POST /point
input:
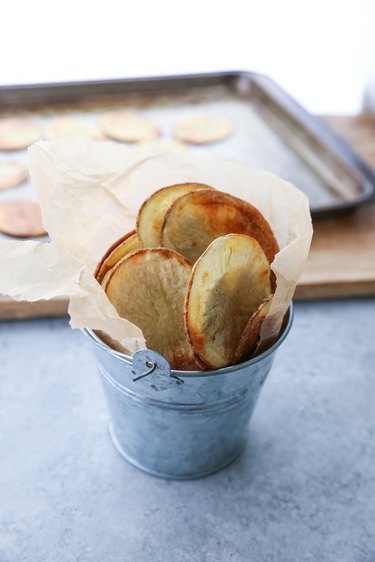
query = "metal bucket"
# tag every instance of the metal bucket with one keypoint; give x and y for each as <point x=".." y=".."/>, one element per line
<point x="179" y="424"/>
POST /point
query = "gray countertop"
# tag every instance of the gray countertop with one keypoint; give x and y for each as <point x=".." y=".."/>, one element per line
<point x="302" y="490"/>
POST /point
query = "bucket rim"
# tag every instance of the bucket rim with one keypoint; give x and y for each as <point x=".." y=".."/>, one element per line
<point x="287" y="324"/>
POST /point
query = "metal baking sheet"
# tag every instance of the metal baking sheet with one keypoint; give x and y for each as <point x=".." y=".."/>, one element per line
<point x="270" y="130"/>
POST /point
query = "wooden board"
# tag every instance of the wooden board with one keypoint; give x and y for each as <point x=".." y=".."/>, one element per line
<point x="11" y="309"/>
<point x="342" y="257"/>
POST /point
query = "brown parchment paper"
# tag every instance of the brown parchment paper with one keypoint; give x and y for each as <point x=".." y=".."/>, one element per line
<point x="90" y="193"/>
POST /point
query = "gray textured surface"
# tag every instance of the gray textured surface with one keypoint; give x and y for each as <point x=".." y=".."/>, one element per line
<point x="303" y="490"/>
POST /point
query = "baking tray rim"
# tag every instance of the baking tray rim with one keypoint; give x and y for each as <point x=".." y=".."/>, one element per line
<point x="311" y="124"/>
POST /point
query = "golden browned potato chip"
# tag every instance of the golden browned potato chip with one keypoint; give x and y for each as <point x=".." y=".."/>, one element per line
<point x="106" y="277"/>
<point x="17" y="133"/>
<point x="67" y="127"/>
<point x="148" y="288"/>
<point x="12" y="173"/>
<point x="21" y="218"/>
<point x="227" y="285"/>
<point x="127" y="126"/>
<point x="116" y="252"/>
<point x="194" y="220"/>
<point x="202" y="129"/>
<point x="250" y="337"/>
<point x="153" y="211"/>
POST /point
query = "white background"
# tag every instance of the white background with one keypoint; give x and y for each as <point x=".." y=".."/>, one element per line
<point x="322" y="51"/>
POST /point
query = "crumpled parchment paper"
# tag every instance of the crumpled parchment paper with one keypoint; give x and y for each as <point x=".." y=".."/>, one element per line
<point x="90" y="193"/>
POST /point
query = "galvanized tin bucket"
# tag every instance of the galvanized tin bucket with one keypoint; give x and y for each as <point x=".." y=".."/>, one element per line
<point x="179" y="424"/>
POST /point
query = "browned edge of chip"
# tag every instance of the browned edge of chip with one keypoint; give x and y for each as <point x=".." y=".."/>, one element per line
<point x="183" y="364"/>
<point x="195" y="339"/>
<point x="98" y="274"/>
<point x="250" y="336"/>
<point x="124" y="248"/>
<point x="202" y="186"/>
<point x="166" y="251"/>
<point x="270" y="249"/>
<point x="203" y="366"/>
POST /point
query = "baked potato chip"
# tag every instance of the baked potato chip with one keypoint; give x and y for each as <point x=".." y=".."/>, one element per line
<point x="194" y="220"/>
<point x="148" y="288"/>
<point x="21" y="218"/>
<point x="68" y="127"/>
<point x="116" y="252"/>
<point x="202" y="129"/>
<point x="227" y="285"/>
<point x="152" y="213"/>
<point x="106" y="278"/>
<point x="17" y="133"/>
<point x="12" y="174"/>
<point x="250" y="337"/>
<point x="128" y="126"/>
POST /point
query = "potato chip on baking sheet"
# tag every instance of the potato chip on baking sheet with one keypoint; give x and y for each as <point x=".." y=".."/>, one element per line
<point x="68" y="127"/>
<point x="17" y="133"/>
<point x="21" y="218"/>
<point x="127" y="126"/>
<point x="12" y="174"/>
<point x="202" y="129"/>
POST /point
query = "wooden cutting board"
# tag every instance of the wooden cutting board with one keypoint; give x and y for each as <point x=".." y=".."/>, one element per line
<point x="342" y="257"/>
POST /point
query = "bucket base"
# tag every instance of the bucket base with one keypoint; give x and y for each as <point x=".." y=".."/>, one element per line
<point x="134" y="462"/>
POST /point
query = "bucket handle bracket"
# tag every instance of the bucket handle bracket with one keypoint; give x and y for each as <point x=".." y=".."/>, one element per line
<point x="147" y="362"/>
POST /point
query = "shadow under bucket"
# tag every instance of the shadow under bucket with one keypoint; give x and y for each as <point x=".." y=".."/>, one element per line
<point x="180" y="424"/>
